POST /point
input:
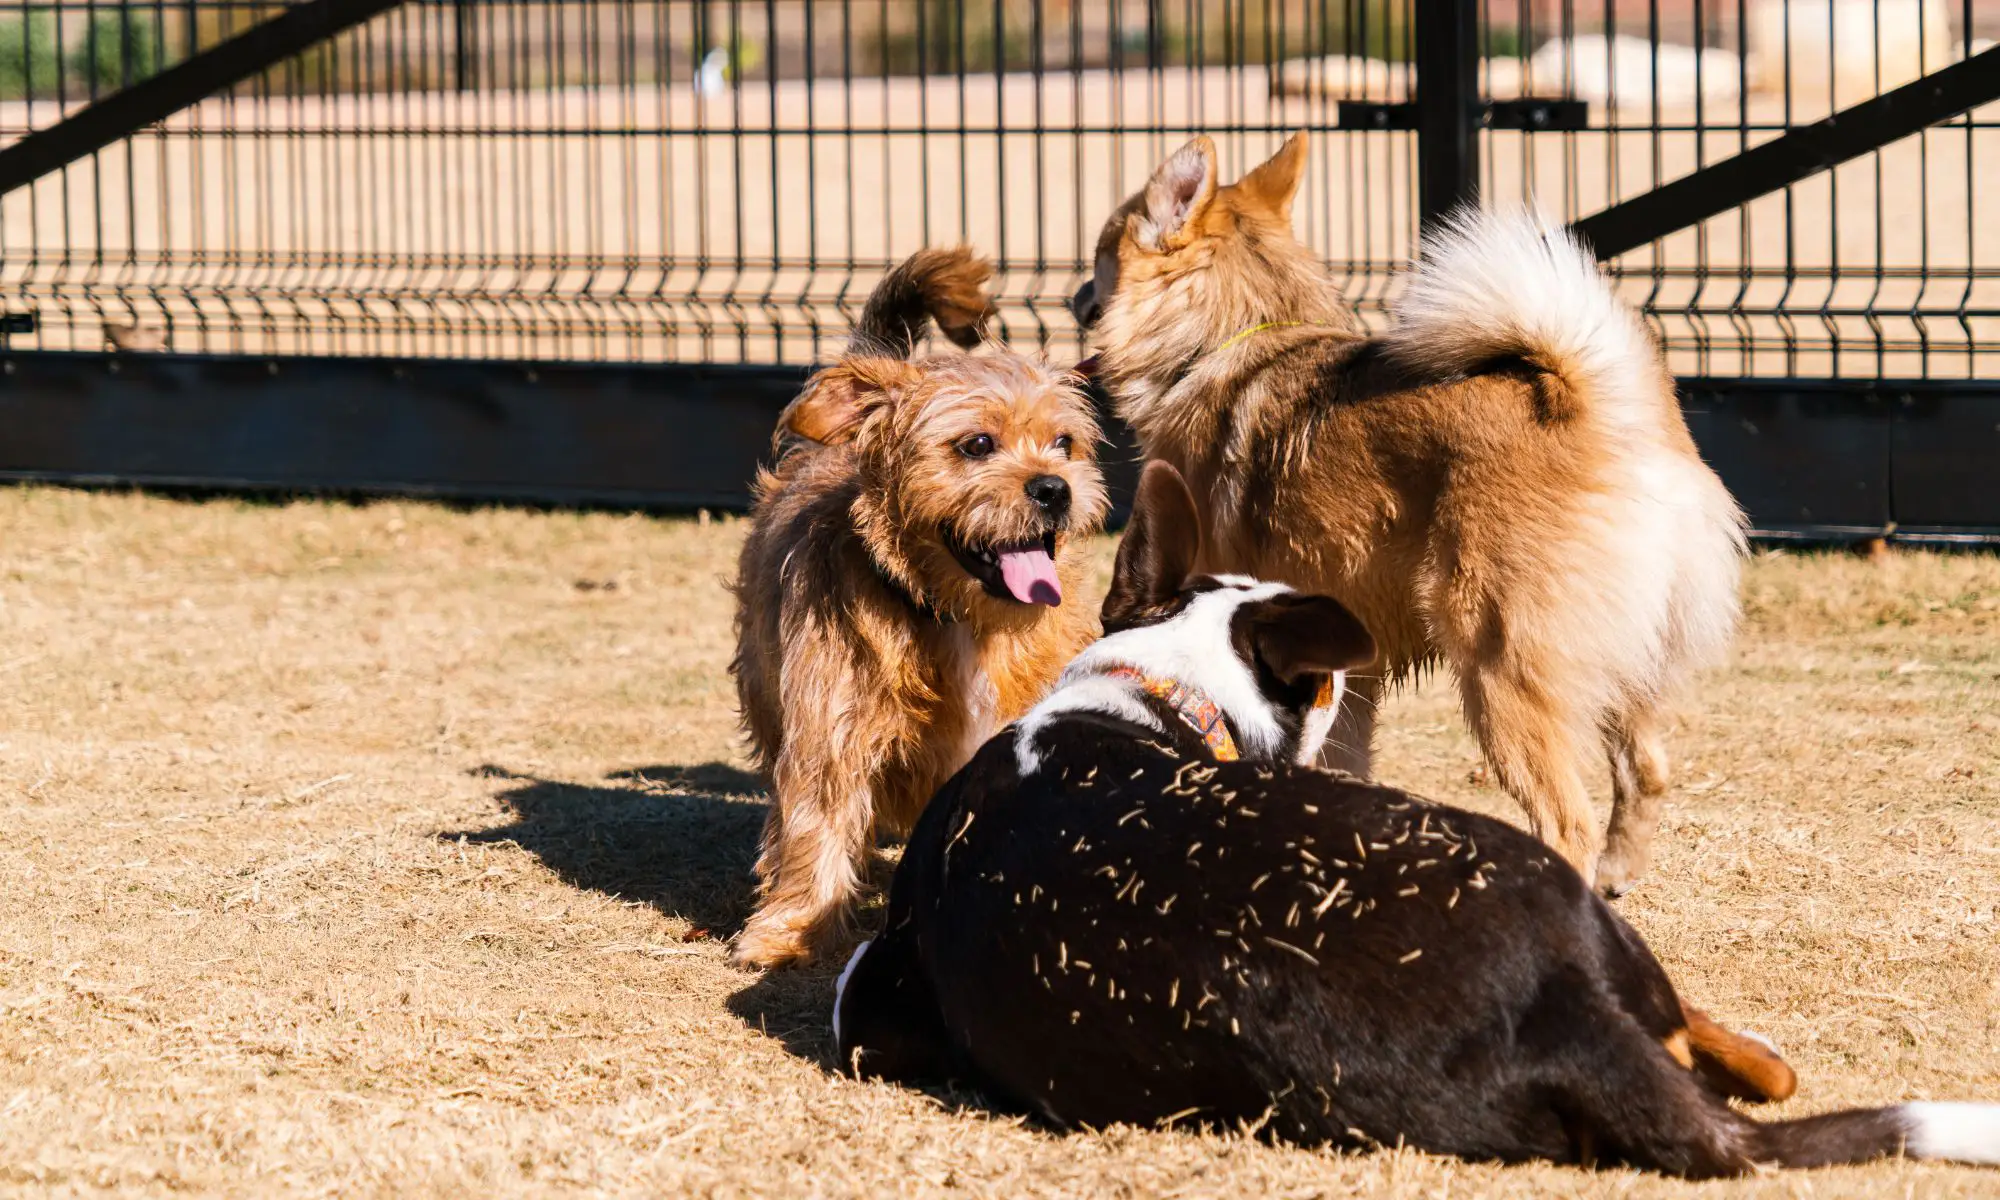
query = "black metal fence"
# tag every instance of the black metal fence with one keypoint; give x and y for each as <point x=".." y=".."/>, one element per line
<point x="721" y="181"/>
<point x="617" y="180"/>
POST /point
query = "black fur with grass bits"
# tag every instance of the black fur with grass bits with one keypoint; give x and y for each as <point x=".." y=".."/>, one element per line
<point x="1098" y="921"/>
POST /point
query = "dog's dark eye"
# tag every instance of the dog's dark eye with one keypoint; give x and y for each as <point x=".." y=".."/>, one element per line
<point x="979" y="445"/>
<point x="1063" y="444"/>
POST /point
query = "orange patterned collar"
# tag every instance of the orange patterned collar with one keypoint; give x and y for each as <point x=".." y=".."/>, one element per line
<point x="1196" y="710"/>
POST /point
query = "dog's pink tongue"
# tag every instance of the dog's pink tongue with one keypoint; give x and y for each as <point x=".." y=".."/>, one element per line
<point x="1031" y="576"/>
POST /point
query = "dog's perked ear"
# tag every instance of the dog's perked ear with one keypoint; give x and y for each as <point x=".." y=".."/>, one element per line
<point x="1177" y="194"/>
<point x="1297" y="638"/>
<point x="1156" y="556"/>
<point x="1276" y="180"/>
<point x="836" y="401"/>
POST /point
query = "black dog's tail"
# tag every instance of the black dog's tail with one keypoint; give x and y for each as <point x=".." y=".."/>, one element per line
<point x="1649" y="1111"/>
<point x="1625" y="1098"/>
<point x="1966" y="1133"/>
<point x="945" y="284"/>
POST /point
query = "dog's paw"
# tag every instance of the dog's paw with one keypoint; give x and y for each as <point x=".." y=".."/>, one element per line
<point x="1618" y="871"/>
<point x="758" y="949"/>
<point x="1613" y="887"/>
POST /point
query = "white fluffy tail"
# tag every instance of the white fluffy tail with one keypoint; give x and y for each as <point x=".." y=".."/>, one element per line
<point x="1964" y="1133"/>
<point x="1499" y="285"/>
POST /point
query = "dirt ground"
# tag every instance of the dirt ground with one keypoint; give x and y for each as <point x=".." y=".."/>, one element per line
<point x="388" y="849"/>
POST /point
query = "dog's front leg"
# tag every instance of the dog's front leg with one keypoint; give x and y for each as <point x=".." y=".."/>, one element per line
<point x="821" y="825"/>
<point x="814" y="845"/>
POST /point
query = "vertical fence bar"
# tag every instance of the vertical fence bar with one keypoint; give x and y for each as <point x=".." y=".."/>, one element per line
<point x="1447" y="107"/>
<point x="465" y="45"/>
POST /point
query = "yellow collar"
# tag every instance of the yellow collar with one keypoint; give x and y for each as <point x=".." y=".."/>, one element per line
<point x="1258" y="329"/>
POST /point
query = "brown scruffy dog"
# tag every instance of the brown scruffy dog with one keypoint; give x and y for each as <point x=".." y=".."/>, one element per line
<point x="1503" y="481"/>
<point x="900" y="595"/>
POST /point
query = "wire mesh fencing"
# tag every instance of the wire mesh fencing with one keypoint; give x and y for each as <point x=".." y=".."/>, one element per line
<point x="1880" y="267"/>
<point x="723" y="180"/>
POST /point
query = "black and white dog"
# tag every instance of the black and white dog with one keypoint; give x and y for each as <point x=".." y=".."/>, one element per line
<point x="1134" y="906"/>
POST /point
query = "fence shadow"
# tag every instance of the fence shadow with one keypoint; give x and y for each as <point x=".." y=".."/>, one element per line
<point x="679" y="838"/>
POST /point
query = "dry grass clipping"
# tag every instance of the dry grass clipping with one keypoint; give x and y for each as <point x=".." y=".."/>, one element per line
<point x="385" y="850"/>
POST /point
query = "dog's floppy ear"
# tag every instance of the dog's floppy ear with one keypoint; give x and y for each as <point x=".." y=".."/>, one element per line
<point x="1276" y="180"/>
<point x="1177" y="194"/>
<point x="1158" y="552"/>
<point x="1293" y="636"/>
<point x="838" y="399"/>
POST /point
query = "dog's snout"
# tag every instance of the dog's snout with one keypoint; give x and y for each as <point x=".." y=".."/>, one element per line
<point x="1051" y="494"/>
<point x="1083" y="305"/>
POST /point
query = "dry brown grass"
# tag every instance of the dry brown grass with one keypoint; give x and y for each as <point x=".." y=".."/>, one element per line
<point x="359" y="850"/>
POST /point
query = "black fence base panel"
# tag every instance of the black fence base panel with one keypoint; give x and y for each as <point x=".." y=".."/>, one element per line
<point x="667" y="437"/>
<point x="1817" y="460"/>
<point x="1832" y="460"/>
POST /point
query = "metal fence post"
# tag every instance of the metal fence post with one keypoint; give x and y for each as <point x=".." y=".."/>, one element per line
<point x="1448" y="108"/>
<point x="465" y="52"/>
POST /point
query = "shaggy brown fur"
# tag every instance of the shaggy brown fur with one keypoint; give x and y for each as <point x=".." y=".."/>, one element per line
<point x="1502" y="482"/>
<point x="877" y="645"/>
<point x="941" y="284"/>
<point x="945" y="284"/>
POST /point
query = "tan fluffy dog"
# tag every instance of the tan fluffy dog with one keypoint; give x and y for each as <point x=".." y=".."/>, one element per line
<point x="901" y="593"/>
<point x="1503" y="481"/>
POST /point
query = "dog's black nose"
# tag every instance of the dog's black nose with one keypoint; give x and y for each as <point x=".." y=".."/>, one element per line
<point x="1083" y="305"/>
<point x="1051" y="494"/>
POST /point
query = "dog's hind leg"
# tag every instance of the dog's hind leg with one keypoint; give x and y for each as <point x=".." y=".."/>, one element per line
<point x="1622" y="1095"/>
<point x="886" y="1023"/>
<point x="1529" y="740"/>
<point x="1639" y="777"/>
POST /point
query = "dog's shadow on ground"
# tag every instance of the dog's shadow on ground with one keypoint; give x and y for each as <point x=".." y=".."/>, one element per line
<point x="682" y="839"/>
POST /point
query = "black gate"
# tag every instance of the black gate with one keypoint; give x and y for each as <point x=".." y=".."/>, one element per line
<point x="580" y="250"/>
